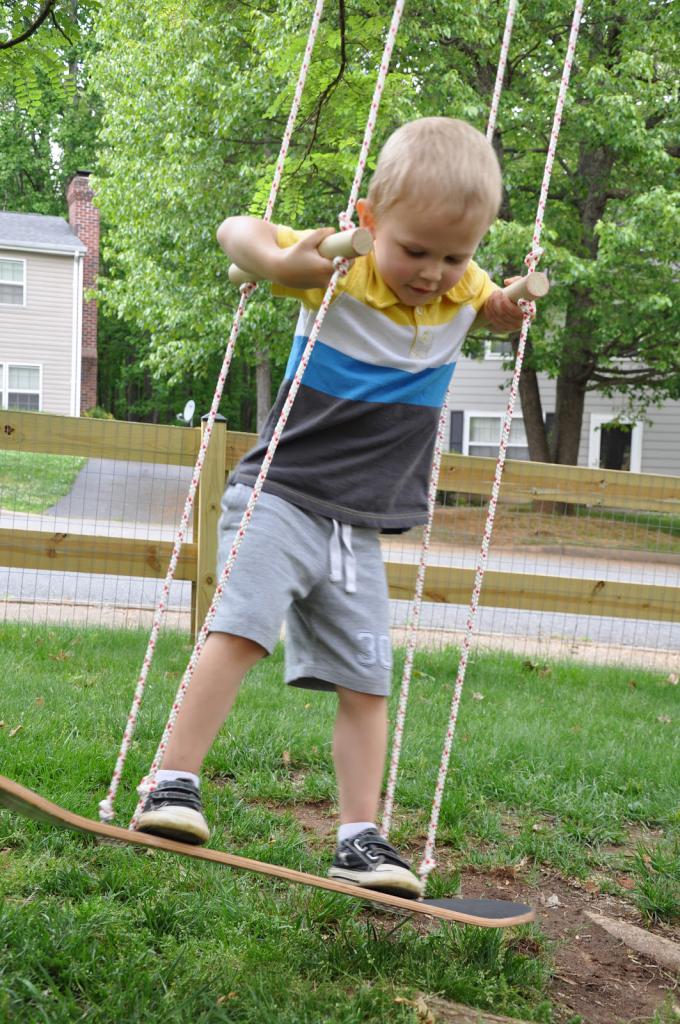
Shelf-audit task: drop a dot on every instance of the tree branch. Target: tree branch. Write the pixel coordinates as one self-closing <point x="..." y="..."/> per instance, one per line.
<point x="44" y="12"/>
<point x="60" y="29"/>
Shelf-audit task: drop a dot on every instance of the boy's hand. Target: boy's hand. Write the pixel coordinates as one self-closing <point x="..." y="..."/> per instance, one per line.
<point x="302" y="266"/>
<point x="501" y="312"/>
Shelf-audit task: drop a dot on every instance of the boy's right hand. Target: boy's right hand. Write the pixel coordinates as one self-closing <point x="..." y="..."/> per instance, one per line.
<point x="302" y="265"/>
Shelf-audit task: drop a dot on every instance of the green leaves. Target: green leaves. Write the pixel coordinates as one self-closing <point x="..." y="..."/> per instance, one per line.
<point x="196" y="99"/>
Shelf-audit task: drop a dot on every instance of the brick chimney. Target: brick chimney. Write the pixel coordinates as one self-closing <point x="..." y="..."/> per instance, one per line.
<point x="84" y="219"/>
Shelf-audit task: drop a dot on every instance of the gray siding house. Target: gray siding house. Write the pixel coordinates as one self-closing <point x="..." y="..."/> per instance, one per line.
<point x="48" y="340"/>
<point x="479" y="399"/>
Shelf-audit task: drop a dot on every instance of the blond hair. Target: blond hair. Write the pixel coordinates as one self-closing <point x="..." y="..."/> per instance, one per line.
<point x="441" y="162"/>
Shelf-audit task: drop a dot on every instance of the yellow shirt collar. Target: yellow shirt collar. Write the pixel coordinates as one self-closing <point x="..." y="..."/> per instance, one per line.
<point x="380" y="296"/>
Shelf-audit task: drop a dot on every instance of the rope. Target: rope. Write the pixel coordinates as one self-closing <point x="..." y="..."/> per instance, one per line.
<point x="500" y="73"/>
<point x="532" y="258"/>
<point x="106" y="806"/>
<point x="341" y="268"/>
<point x="416" y="607"/>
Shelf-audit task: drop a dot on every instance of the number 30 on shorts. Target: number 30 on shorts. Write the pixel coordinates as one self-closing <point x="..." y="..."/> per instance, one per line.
<point x="374" y="648"/>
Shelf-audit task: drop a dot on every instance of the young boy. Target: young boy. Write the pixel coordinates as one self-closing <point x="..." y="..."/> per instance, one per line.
<point x="353" y="461"/>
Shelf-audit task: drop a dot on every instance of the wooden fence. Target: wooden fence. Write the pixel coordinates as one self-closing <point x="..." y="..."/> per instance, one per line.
<point x="522" y="482"/>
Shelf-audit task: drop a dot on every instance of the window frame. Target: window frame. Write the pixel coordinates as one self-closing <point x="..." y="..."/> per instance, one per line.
<point x="23" y="303"/>
<point x="5" y="388"/>
<point x="598" y="420"/>
<point x="488" y="415"/>
<point x="496" y="357"/>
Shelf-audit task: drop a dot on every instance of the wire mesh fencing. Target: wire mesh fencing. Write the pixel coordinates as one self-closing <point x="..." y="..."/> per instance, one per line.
<point x="583" y="563"/>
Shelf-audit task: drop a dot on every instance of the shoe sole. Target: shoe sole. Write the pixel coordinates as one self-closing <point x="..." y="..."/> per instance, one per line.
<point x="180" y="823"/>
<point x="392" y="880"/>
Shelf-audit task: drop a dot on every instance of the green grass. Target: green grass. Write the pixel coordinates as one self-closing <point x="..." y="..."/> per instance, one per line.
<point x="33" y="483"/>
<point x="558" y="764"/>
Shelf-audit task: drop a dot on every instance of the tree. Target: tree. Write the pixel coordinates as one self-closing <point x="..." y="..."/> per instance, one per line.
<point x="48" y="115"/>
<point x="195" y="101"/>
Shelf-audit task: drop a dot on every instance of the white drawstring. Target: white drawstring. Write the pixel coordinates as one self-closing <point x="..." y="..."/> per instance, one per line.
<point x="342" y="538"/>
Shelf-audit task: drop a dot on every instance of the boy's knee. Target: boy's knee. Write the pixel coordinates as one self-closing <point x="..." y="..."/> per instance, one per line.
<point x="358" y="700"/>
<point x="240" y="648"/>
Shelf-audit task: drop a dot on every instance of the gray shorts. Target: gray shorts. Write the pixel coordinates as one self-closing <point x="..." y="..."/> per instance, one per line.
<point x="326" y="581"/>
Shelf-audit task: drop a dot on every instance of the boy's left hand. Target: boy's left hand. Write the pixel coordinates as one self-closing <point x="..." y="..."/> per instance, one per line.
<point x="501" y="312"/>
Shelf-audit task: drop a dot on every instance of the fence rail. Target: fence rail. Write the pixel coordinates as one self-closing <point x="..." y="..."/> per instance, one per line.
<point x="167" y="445"/>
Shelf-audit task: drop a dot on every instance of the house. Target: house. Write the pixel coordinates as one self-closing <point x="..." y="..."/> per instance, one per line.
<point x="479" y="398"/>
<point x="48" y="330"/>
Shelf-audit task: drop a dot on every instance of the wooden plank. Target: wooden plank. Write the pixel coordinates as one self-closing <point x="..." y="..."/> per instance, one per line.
<point x="104" y="439"/>
<point x="539" y="593"/>
<point x="536" y="481"/>
<point x="72" y="552"/>
<point x="237" y="444"/>
<point x="208" y="510"/>
<point x="168" y="445"/>
<point x="483" y="913"/>
<point x="539" y="481"/>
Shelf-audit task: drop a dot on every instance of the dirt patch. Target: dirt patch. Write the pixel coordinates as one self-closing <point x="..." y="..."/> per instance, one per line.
<point x="594" y="974"/>
<point x="465" y="524"/>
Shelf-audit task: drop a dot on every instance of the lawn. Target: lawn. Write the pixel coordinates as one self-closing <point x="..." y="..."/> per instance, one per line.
<point x="33" y="483"/>
<point x="560" y="772"/>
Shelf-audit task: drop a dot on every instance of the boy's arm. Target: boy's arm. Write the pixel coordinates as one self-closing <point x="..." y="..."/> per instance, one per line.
<point x="252" y="244"/>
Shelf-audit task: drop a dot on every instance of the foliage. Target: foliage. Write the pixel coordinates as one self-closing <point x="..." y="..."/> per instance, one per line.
<point x="48" y="117"/>
<point x="194" y="98"/>
<point x="197" y="136"/>
<point x="33" y="37"/>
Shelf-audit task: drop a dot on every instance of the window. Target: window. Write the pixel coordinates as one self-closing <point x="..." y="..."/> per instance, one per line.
<point x="12" y="282"/>
<point x="497" y="348"/>
<point x="615" y="443"/>
<point x="483" y="436"/>
<point x="20" y="387"/>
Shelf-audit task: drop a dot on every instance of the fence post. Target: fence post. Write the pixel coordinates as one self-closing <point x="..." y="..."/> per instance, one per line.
<point x="207" y="516"/>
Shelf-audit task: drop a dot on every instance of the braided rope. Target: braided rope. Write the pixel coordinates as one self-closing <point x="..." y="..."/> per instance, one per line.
<point x="416" y="607"/>
<point x="106" y="806"/>
<point x="500" y="73"/>
<point x="429" y="862"/>
<point x="341" y="268"/>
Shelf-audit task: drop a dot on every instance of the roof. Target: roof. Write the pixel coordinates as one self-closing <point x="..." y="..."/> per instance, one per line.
<point x="33" y="231"/>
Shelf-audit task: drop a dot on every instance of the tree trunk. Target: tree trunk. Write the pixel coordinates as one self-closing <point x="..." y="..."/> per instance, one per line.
<point x="532" y="411"/>
<point x="569" y="404"/>
<point x="263" y="385"/>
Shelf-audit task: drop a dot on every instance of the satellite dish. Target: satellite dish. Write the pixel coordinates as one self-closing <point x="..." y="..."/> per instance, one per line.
<point x="189" y="410"/>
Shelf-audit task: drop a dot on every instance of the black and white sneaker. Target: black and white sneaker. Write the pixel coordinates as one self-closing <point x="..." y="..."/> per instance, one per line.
<point x="370" y="861"/>
<point x="173" y="810"/>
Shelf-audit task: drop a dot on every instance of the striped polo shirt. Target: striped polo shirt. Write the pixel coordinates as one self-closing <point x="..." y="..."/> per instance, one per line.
<point x="360" y="436"/>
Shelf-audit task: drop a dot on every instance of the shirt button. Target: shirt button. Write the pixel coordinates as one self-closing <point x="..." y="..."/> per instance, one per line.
<point x="419" y="310"/>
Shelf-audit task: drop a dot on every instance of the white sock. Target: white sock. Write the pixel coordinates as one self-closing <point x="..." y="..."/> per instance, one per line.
<point x="352" y="828"/>
<point x="169" y="775"/>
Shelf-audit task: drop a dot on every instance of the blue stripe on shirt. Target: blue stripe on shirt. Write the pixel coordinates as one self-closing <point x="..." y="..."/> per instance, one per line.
<point x="337" y="374"/>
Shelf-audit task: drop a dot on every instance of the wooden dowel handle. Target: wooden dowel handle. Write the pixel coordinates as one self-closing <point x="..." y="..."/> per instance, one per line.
<point x="532" y="286"/>
<point x="352" y="243"/>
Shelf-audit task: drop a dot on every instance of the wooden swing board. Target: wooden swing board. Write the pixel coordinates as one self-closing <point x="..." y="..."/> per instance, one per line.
<point x="483" y="913"/>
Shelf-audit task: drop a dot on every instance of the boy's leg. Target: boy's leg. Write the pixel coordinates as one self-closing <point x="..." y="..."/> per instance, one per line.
<point x="223" y="663"/>
<point x="363" y="856"/>
<point x="359" y="748"/>
<point x="173" y="809"/>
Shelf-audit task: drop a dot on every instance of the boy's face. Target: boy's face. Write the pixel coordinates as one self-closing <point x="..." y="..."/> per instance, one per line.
<point x="421" y="254"/>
